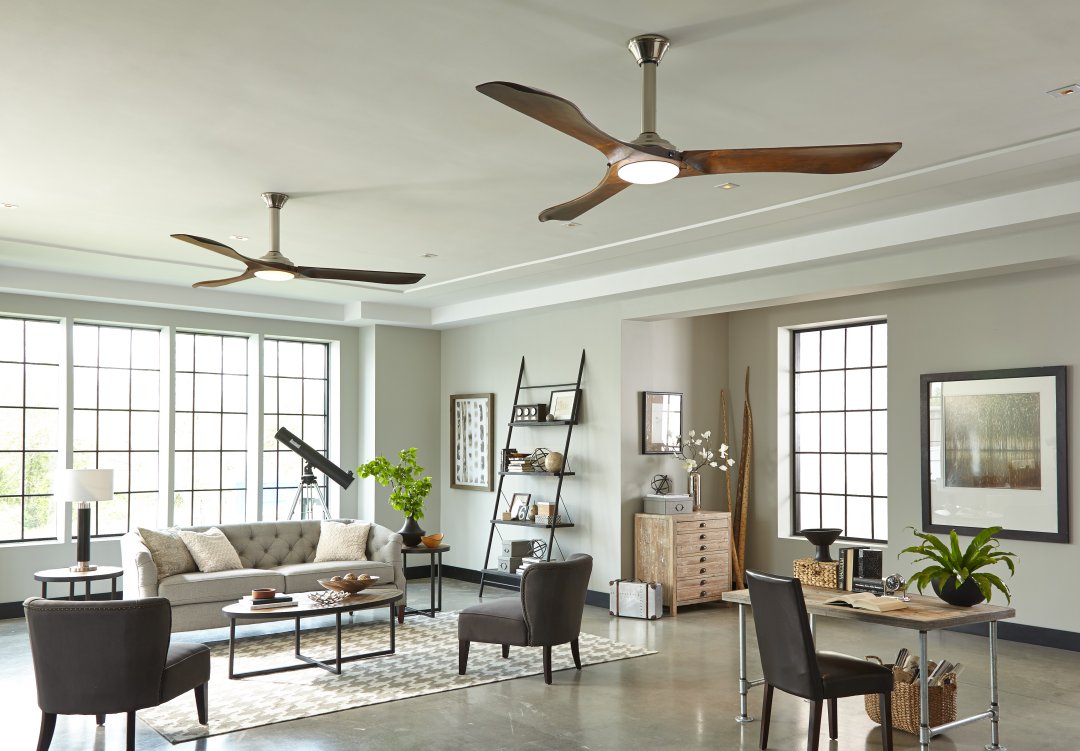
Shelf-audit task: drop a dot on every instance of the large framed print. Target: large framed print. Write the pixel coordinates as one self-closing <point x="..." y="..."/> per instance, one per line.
<point x="471" y="432"/>
<point x="661" y="420"/>
<point x="995" y="453"/>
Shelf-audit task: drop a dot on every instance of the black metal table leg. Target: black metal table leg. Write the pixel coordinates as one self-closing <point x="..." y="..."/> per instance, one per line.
<point x="71" y="590"/>
<point x="232" y="644"/>
<point x="440" y="581"/>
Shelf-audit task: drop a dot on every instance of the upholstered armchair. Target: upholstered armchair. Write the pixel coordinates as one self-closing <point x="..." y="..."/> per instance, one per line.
<point x="547" y="613"/>
<point x="104" y="657"/>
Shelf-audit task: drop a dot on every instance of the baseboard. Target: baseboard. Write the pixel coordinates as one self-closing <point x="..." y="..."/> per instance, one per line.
<point x="596" y="599"/>
<point x="15" y="609"/>
<point x="1025" y="634"/>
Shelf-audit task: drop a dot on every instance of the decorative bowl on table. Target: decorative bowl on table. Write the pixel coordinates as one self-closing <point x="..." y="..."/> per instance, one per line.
<point x="432" y="541"/>
<point x="822" y="538"/>
<point x="349" y="586"/>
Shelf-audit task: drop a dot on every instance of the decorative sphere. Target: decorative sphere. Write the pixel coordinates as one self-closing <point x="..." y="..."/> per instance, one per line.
<point x="553" y="462"/>
<point x="661" y="484"/>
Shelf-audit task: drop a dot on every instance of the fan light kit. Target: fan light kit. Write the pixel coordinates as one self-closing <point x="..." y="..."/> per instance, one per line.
<point x="649" y="159"/>
<point x="274" y="267"/>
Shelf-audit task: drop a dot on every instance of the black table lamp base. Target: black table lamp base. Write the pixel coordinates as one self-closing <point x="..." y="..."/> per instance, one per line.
<point x="82" y="541"/>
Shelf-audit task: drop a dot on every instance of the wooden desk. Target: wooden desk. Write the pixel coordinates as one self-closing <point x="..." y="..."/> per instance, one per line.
<point x="923" y="614"/>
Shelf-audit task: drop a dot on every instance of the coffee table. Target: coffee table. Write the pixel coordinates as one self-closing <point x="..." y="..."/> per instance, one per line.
<point x="308" y="608"/>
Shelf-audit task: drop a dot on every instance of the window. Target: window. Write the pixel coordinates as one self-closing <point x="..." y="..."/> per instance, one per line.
<point x="295" y="396"/>
<point x="29" y="417"/>
<point x="210" y="475"/>
<point x="840" y="451"/>
<point x="116" y="375"/>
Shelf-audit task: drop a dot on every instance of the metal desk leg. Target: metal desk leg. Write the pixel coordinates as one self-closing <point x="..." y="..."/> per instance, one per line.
<point x="744" y="685"/>
<point x="924" y="696"/>
<point x="995" y="740"/>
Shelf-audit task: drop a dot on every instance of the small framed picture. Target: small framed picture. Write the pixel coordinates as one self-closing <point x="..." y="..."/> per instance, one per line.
<point x="563" y="405"/>
<point x="519" y="506"/>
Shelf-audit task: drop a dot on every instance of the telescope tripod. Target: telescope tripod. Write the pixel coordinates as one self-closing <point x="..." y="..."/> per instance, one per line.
<point x="308" y="496"/>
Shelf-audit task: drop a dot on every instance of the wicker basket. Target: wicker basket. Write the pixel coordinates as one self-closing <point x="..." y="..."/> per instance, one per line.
<point x="905" y="703"/>
<point x="816" y="573"/>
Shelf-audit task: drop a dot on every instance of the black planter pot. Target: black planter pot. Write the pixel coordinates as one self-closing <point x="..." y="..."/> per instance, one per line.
<point x="411" y="533"/>
<point x="965" y="596"/>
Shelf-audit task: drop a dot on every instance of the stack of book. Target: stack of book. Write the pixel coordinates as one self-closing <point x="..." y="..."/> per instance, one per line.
<point x="860" y="569"/>
<point x="518" y="462"/>
<point x="268" y="603"/>
<point x="526" y="562"/>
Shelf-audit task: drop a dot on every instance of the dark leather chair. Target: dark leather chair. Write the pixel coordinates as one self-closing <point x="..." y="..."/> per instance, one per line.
<point x="110" y="656"/>
<point x="547" y="613"/>
<point x="790" y="662"/>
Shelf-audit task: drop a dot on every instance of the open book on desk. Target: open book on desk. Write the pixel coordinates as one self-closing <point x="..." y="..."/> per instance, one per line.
<point x="867" y="601"/>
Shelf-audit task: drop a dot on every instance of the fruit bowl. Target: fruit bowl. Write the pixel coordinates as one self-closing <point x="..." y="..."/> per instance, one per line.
<point x="822" y="538"/>
<point x="432" y="541"/>
<point x="349" y="586"/>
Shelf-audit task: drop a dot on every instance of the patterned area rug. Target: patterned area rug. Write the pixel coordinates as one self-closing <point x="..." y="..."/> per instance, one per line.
<point x="425" y="663"/>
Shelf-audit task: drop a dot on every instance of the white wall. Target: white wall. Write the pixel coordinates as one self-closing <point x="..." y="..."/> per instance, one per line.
<point x="19" y="561"/>
<point x="1022" y="320"/>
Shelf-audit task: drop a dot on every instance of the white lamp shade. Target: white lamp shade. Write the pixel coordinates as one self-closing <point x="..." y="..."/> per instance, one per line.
<point x="84" y="485"/>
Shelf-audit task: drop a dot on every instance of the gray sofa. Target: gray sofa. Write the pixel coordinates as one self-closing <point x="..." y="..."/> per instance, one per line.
<point x="274" y="554"/>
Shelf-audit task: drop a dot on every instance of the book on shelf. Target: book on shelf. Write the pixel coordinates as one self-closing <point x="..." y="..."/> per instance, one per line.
<point x="869" y="563"/>
<point x="867" y="601"/>
<point x="847" y="570"/>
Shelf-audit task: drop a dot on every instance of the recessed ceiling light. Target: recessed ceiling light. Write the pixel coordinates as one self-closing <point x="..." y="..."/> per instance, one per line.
<point x="1072" y="88"/>
<point x="727" y="186"/>
<point x="429" y="255"/>
<point x="9" y="205"/>
<point x="241" y="238"/>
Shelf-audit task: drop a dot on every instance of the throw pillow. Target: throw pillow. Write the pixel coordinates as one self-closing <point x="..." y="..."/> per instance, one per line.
<point x="211" y="550"/>
<point x="339" y="541"/>
<point x="170" y="554"/>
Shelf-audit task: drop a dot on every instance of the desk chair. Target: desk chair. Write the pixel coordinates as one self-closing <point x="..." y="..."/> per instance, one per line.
<point x="790" y="662"/>
<point x="104" y="657"/>
<point x="547" y="613"/>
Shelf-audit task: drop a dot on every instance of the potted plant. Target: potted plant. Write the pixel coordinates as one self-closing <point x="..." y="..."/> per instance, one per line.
<point x="408" y="489"/>
<point x="954" y="574"/>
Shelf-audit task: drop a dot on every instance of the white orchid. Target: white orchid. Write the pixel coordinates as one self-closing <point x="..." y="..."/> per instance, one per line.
<point x="694" y="453"/>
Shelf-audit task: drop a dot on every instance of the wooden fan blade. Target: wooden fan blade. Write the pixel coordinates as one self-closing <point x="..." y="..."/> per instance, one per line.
<point x="559" y="113"/>
<point x="248" y="274"/>
<point x="822" y="160"/>
<point x="609" y="186"/>
<point x="214" y="246"/>
<point x="357" y="275"/>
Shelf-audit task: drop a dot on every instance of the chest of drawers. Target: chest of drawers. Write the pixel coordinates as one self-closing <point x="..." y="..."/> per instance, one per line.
<point x="690" y="554"/>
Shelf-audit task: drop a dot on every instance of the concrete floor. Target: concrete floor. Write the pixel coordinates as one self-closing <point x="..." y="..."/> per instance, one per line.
<point x="683" y="697"/>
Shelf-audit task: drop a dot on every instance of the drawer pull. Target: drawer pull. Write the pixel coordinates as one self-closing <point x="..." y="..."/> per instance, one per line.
<point x="701" y="525"/>
<point x="702" y="571"/>
<point x="703" y="582"/>
<point x="704" y="547"/>
<point x="703" y="594"/>
<point x="701" y="537"/>
<point x="702" y="559"/>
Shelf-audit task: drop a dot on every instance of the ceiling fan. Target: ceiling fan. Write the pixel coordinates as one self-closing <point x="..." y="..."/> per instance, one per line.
<point x="650" y="159"/>
<point x="275" y="267"/>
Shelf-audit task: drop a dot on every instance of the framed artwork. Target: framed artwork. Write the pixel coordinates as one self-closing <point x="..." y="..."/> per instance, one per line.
<point x="661" y="419"/>
<point x="470" y="441"/>
<point x="995" y="453"/>
<point x="563" y="405"/>
<point x="519" y="506"/>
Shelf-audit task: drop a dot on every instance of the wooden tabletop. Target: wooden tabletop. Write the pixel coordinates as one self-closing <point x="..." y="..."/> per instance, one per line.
<point x="305" y="606"/>
<point x="67" y="575"/>
<point x="923" y="613"/>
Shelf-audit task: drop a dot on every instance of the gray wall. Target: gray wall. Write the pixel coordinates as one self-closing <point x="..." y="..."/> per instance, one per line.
<point x="1021" y="320"/>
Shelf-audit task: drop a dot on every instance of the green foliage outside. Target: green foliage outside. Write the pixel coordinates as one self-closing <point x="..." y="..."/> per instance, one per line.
<point x="949" y="560"/>
<point x="409" y="489"/>
<point x="37" y="511"/>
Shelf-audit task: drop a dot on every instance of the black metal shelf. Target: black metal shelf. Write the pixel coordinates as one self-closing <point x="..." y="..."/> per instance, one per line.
<point x="508" y="473"/>
<point x="519" y="523"/>
<point x="539" y="423"/>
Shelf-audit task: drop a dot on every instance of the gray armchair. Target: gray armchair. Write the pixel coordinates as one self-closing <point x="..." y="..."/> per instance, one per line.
<point x="111" y="656"/>
<point x="547" y="613"/>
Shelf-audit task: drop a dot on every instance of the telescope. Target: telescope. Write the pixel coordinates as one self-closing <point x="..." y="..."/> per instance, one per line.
<point x="304" y="493"/>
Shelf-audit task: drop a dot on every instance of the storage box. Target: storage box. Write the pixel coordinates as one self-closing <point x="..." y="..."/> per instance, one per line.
<point x="636" y="599"/>
<point x="519" y="548"/>
<point x="676" y="505"/>
<point x="509" y="564"/>
<point x="817" y="574"/>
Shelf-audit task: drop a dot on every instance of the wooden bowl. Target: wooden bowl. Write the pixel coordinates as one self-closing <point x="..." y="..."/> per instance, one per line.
<point x="351" y="586"/>
<point x="263" y="593"/>
<point x="432" y="541"/>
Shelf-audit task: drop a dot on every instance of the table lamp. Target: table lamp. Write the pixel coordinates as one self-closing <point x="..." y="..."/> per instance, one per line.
<point x="83" y="487"/>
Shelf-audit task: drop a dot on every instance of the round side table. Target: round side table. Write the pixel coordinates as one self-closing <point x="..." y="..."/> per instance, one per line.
<point x="435" y="554"/>
<point x="72" y="577"/>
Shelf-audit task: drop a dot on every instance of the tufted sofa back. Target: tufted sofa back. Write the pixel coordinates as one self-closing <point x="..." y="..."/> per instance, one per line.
<point x="269" y="544"/>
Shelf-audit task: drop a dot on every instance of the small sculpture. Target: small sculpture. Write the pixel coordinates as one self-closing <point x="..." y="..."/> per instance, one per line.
<point x="661" y="484"/>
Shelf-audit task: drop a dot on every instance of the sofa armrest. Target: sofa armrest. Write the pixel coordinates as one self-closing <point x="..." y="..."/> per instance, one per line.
<point x="140" y="571"/>
<point x="385" y="545"/>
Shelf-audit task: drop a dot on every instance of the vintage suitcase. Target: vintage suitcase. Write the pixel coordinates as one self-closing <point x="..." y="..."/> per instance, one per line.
<point x="676" y="504"/>
<point x="634" y="599"/>
<point x="517" y="548"/>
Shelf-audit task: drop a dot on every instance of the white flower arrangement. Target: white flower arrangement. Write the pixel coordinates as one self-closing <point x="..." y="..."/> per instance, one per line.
<point x="693" y="451"/>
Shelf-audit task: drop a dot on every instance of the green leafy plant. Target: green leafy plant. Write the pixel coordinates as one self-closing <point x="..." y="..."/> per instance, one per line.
<point x="949" y="560"/>
<point x="409" y="489"/>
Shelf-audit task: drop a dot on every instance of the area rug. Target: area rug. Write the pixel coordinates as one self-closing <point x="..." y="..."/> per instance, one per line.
<point x="425" y="663"/>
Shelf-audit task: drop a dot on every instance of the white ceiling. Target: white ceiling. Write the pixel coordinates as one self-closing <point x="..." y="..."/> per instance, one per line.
<point x="127" y="121"/>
